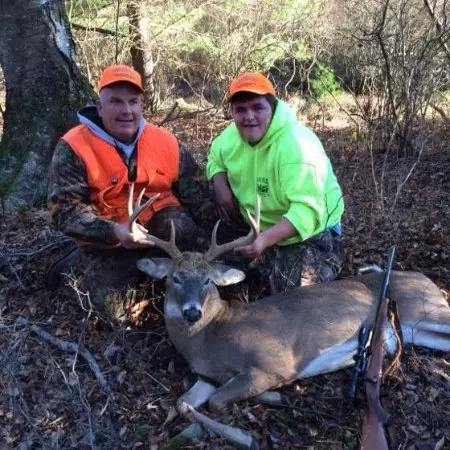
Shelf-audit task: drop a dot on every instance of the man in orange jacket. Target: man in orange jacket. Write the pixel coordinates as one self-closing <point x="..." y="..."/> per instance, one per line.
<point x="90" y="175"/>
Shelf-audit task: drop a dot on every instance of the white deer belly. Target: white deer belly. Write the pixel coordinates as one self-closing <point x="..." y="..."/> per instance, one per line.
<point x="341" y="356"/>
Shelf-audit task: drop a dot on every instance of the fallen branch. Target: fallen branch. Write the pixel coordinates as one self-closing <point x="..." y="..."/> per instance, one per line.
<point x="441" y="112"/>
<point x="100" y="30"/>
<point x="166" y="117"/>
<point x="236" y="436"/>
<point x="52" y="245"/>
<point x="187" y="115"/>
<point x="16" y="275"/>
<point x="66" y="346"/>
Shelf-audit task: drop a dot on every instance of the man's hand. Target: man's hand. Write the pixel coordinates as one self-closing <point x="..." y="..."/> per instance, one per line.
<point x="227" y="206"/>
<point x="281" y="230"/>
<point x="254" y="249"/>
<point x="136" y="239"/>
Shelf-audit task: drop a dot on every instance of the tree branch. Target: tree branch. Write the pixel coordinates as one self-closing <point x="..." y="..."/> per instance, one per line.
<point x="439" y="28"/>
<point x="77" y="26"/>
<point x="67" y="346"/>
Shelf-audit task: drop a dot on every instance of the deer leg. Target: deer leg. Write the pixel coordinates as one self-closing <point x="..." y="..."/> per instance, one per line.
<point x="274" y="398"/>
<point x="243" y="386"/>
<point x="198" y="394"/>
<point x="427" y="337"/>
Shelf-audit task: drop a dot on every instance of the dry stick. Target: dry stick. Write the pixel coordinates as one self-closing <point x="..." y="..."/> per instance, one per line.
<point x="14" y="272"/>
<point x="66" y="346"/>
<point x="42" y="249"/>
<point x="157" y="381"/>
<point x="439" y="27"/>
<point x="400" y="186"/>
<point x="441" y="113"/>
<point x="236" y="436"/>
<point x="100" y="30"/>
<point x="166" y="117"/>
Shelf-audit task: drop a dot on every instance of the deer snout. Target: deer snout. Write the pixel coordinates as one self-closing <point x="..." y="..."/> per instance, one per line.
<point x="192" y="313"/>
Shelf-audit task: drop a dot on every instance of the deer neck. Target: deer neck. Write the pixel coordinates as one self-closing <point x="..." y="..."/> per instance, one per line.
<point x="189" y="339"/>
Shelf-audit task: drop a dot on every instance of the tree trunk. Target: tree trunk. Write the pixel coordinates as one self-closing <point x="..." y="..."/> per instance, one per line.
<point x="142" y="53"/>
<point x="44" y="89"/>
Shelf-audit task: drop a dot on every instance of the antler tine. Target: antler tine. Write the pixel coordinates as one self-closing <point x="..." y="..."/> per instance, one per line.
<point x="138" y="209"/>
<point x="215" y="250"/>
<point x="169" y="246"/>
<point x="134" y="212"/>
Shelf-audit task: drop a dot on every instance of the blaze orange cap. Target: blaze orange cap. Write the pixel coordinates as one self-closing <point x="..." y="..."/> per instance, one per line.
<point x="254" y="82"/>
<point x="117" y="73"/>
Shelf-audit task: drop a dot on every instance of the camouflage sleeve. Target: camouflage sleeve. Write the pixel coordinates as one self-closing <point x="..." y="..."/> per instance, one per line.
<point x="192" y="187"/>
<point x="68" y="199"/>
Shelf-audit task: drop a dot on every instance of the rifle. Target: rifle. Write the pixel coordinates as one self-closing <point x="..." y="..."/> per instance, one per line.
<point x="369" y="364"/>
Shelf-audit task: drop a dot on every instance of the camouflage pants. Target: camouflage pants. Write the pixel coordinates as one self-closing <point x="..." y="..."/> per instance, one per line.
<point x="316" y="260"/>
<point x="110" y="276"/>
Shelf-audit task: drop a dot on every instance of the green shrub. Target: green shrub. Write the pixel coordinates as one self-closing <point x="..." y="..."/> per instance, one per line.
<point x="323" y="81"/>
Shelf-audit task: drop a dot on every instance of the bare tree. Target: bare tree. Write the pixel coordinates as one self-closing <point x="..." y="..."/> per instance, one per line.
<point x="143" y="51"/>
<point x="402" y="52"/>
<point x="44" y="88"/>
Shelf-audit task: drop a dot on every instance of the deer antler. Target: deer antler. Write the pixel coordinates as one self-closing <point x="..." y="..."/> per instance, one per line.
<point x="215" y="250"/>
<point x="134" y="212"/>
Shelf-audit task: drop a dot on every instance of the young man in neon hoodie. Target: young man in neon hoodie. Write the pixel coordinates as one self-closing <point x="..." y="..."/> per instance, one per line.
<point x="90" y="176"/>
<point x="266" y="151"/>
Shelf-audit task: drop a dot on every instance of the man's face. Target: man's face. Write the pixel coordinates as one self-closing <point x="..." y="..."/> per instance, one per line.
<point x="252" y="117"/>
<point x="120" y="107"/>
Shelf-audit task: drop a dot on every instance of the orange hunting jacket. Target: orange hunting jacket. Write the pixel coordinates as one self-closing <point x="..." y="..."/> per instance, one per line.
<point x="107" y="174"/>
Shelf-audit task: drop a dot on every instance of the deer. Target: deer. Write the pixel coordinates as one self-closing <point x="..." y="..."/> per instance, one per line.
<point x="244" y="350"/>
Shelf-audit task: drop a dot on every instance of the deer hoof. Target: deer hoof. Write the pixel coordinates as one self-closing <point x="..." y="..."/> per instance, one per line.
<point x="182" y="406"/>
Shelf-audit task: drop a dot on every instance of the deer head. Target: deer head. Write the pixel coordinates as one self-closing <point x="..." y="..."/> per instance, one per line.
<point x="192" y="277"/>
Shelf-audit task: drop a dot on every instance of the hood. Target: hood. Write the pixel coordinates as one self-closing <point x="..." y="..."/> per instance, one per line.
<point x="89" y="117"/>
<point x="283" y="119"/>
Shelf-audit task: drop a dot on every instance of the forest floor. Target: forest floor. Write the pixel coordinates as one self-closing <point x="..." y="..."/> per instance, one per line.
<point x="52" y="399"/>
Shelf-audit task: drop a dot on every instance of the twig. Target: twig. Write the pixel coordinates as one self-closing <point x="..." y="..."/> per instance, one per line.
<point x="441" y="113"/>
<point x="411" y="170"/>
<point x="166" y="117"/>
<point x="157" y="381"/>
<point x="117" y="30"/>
<point x="78" y="26"/>
<point x="67" y="346"/>
<point x="43" y="249"/>
<point x="184" y="116"/>
<point x="19" y="281"/>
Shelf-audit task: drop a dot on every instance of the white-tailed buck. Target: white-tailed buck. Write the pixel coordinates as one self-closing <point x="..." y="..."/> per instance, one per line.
<point x="248" y="349"/>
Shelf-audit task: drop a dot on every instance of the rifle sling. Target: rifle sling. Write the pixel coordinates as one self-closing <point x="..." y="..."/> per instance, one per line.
<point x="394" y="320"/>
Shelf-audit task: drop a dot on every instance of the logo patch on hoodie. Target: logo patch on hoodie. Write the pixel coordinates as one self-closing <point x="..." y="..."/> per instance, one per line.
<point x="262" y="186"/>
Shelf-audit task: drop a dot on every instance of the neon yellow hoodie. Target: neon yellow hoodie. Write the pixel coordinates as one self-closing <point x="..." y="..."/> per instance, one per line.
<point x="288" y="168"/>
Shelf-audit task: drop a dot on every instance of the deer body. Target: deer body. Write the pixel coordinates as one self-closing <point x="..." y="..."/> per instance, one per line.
<point x="250" y="348"/>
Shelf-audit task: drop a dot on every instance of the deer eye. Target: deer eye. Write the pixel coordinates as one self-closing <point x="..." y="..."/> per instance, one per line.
<point x="206" y="282"/>
<point x="176" y="279"/>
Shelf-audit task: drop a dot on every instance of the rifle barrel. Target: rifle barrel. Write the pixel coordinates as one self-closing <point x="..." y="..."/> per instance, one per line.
<point x="373" y="431"/>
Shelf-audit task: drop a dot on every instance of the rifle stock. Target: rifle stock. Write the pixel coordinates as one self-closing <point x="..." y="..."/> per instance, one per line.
<point x="373" y="434"/>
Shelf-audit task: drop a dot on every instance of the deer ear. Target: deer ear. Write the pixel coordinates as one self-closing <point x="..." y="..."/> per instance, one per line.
<point x="155" y="267"/>
<point x="223" y="275"/>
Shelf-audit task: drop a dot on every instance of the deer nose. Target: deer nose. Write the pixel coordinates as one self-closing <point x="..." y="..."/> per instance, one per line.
<point x="192" y="314"/>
